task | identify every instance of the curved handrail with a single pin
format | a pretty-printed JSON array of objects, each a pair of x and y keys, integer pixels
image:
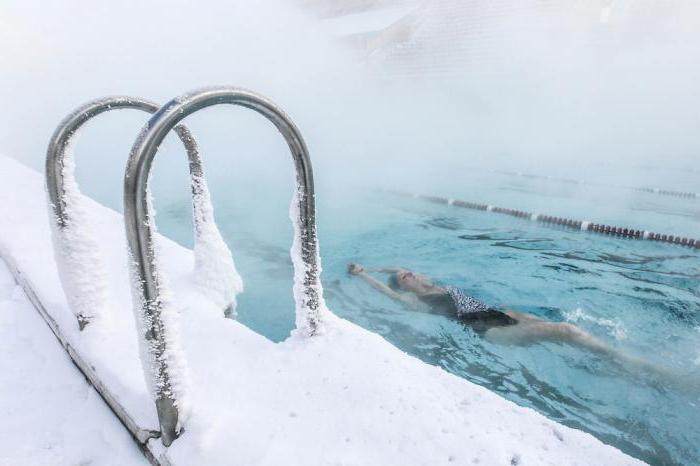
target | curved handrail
[
  {"x": 62, "y": 192},
  {"x": 155, "y": 317}
]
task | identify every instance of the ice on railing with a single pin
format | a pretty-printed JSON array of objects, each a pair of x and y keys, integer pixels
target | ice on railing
[
  {"x": 162, "y": 359},
  {"x": 215, "y": 271},
  {"x": 310, "y": 307},
  {"x": 81, "y": 269}
]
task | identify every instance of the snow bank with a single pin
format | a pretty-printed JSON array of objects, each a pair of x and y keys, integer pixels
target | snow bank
[
  {"x": 50, "y": 415},
  {"x": 345, "y": 396}
]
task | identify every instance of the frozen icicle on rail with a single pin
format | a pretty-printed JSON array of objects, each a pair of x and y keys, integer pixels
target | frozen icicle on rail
[
  {"x": 162, "y": 360},
  {"x": 78, "y": 257},
  {"x": 215, "y": 271},
  {"x": 163, "y": 363},
  {"x": 308, "y": 291},
  {"x": 81, "y": 269}
]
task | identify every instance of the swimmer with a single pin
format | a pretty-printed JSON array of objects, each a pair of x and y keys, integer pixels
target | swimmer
[{"x": 501, "y": 326}]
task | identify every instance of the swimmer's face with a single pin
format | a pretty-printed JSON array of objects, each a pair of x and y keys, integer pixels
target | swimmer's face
[{"x": 410, "y": 281}]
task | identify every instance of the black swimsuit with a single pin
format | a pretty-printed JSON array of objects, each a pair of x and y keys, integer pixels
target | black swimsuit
[{"x": 457, "y": 304}]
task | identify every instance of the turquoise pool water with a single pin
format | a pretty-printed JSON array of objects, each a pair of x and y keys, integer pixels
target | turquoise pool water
[{"x": 640, "y": 297}]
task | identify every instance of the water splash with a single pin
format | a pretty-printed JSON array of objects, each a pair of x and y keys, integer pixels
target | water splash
[{"x": 614, "y": 328}]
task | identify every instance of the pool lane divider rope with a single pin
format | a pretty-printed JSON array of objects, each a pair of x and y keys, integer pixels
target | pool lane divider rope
[
  {"x": 583, "y": 225},
  {"x": 662, "y": 192}
]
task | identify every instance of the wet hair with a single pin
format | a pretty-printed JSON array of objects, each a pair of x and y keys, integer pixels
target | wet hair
[{"x": 393, "y": 282}]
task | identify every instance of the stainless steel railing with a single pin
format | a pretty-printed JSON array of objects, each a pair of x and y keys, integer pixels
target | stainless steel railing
[
  {"x": 58, "y": 171},
  {"x": 140, "y": 228}
]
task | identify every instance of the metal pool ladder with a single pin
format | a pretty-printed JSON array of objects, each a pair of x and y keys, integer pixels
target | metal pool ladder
[
  {"x": 140, "y": 237},
  {"x": 148, "y": 281},
  {"x": 63, "y": 193}
]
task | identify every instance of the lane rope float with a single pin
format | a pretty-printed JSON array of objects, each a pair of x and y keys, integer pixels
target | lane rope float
[{"x": 583, "y": 225}]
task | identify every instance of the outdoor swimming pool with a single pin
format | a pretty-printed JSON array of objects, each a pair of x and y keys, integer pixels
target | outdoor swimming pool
[{"x": 640, "y": 297}]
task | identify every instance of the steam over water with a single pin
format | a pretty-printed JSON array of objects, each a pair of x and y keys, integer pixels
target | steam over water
[{"x": 439, "y": 97}]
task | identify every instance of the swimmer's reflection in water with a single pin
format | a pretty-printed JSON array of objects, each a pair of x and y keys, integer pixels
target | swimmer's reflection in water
[{"x": 501, "y": 326}]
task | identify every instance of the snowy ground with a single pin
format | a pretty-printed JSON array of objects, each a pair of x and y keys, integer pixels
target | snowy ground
[
  {"x": 345, "y": 397},
  {"x": 50, "y": 415}
]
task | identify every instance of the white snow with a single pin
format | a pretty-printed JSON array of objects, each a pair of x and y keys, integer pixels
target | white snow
[
  {"x": 345, "y": 396},
  {"x": 50, "y": 415}
]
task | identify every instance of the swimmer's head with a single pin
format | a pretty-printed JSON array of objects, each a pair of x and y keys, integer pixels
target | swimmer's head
[{"x": 409, "y": 281}]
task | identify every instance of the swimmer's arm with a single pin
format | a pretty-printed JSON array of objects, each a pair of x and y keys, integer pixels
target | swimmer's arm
[
  {"x": 376, "y": 284},
  {"x": 386, "y": 270},
  {"x": 354, "y": 268}
]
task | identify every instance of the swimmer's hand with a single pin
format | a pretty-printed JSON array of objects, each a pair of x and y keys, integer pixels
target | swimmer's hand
[{"x": 355, "y": 269}]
